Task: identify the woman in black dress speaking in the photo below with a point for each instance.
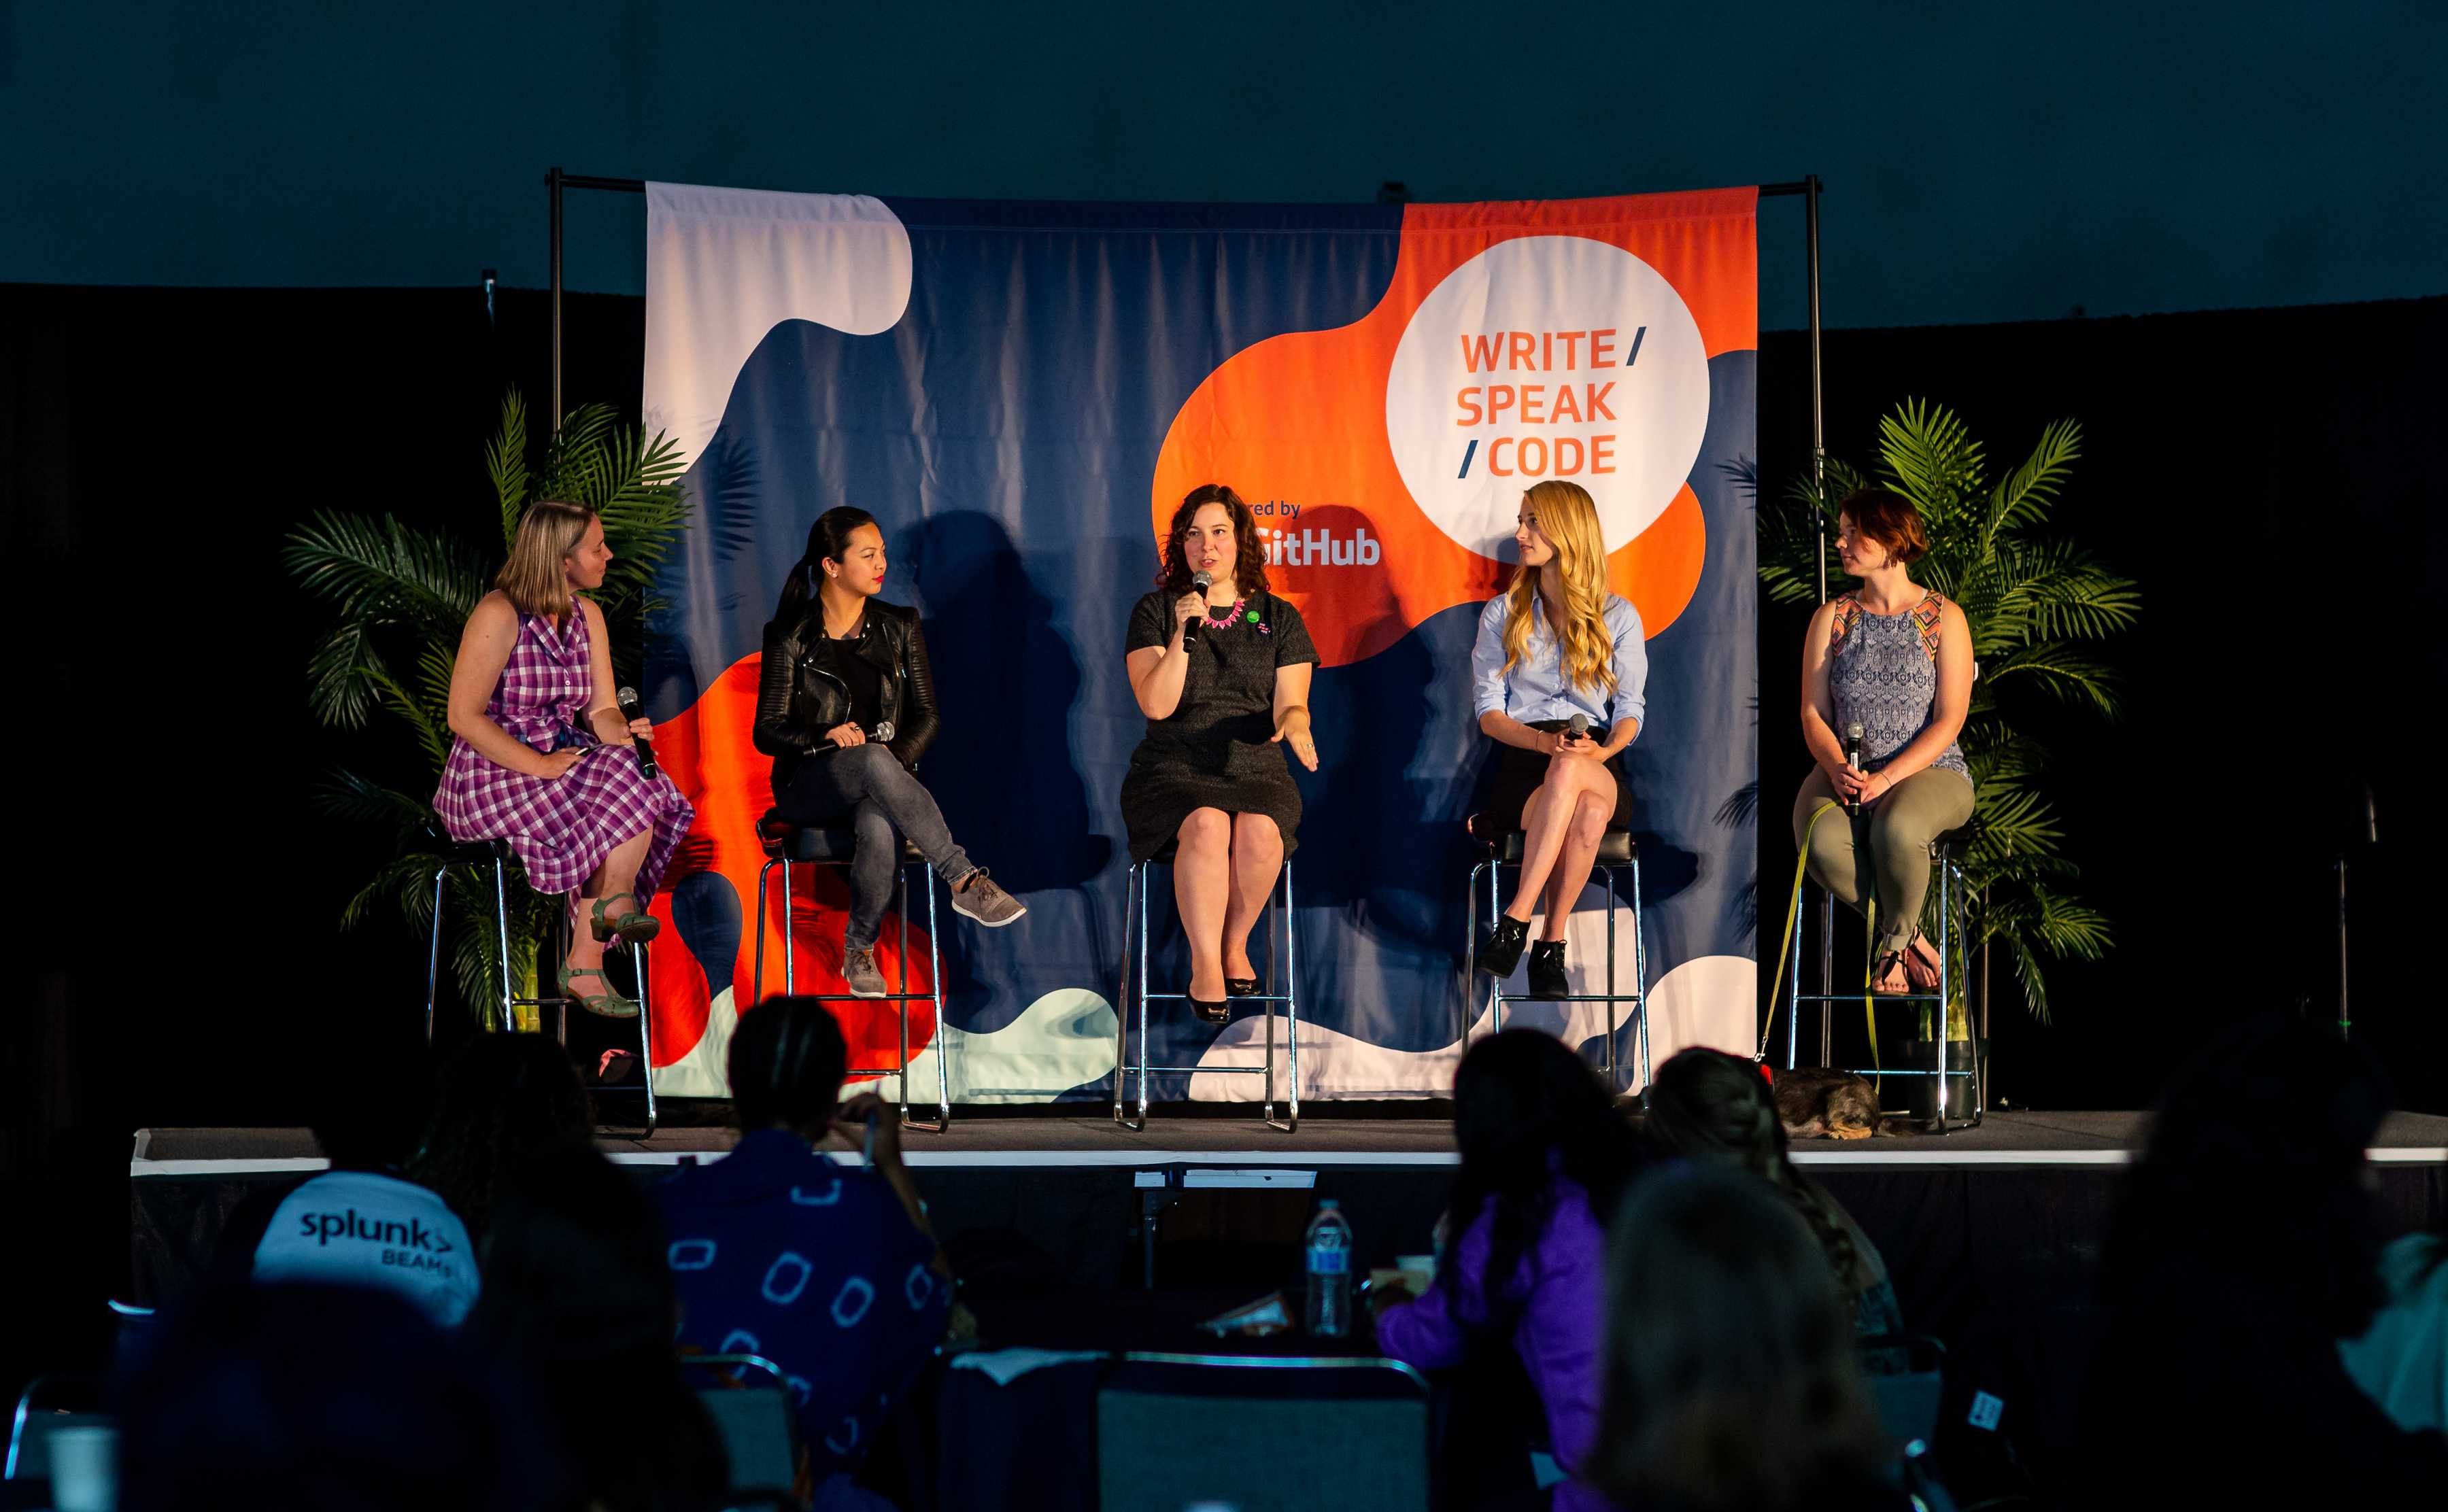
(1218, 701)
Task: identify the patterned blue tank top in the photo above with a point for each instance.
(1882, 672)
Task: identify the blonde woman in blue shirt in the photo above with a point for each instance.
(1555, 644)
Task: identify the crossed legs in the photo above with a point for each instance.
(1224, 870)
(1561, 827)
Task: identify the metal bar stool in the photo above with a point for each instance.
(496, 853)
(786, 845)
(1954, 925)
(1134, 918)
(1616, 851)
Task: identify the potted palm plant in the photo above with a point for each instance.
(2039, 606)
(400, 596)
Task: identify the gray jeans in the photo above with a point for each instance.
(867, 786)
(1883, 853)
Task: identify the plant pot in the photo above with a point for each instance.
(1920, 1093)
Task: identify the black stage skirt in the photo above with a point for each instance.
(1509, 780)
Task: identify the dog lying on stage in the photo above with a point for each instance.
(1820, 1103)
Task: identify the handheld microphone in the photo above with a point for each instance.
(1203, 582)
(1579, 727)
(882, 734)
(633, 709)
(1853, 760)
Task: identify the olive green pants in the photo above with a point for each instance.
(1885, 853)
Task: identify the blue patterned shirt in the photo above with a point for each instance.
(1535, 689)
(778, 1251)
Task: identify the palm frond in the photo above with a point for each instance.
(1926, 452)
(2062, 672)
(505, 461)
(337, 689)
(2023, 496)
(354, 799)
(383, 573)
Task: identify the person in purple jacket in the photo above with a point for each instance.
(1546, 1160)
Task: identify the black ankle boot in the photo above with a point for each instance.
(1547, 978)
(1502, 950)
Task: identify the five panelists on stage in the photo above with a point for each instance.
(537, 757)
(846, 706)
(1894, 660)
(1221, 667)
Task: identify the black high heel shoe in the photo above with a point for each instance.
(1240, 986)
(1212, 1012)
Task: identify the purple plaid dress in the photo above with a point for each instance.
(562, 829)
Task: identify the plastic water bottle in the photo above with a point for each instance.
(1328, 1248)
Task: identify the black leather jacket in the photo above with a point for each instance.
(797, 700)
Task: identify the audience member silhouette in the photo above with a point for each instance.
(1707, 1105)
(578, 1301)
(1545, 1160)
(2243, 1248)
(344, 1399)
(502, 1099)
(1731, 1380)
(829, 1271)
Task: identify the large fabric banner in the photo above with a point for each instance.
(1020, 394)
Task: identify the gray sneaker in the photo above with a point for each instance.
(860, 975)
(977, 897)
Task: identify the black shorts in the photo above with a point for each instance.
(1515, 774)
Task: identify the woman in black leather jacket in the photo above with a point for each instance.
(845, 706)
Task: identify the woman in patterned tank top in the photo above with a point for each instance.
(538, 758)
(1895, 659)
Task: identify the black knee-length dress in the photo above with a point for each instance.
(1212, 751)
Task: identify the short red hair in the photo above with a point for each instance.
(1890, 520)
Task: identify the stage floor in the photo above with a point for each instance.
(1231, 1133)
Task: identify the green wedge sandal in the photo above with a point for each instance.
(603, 1005)
(635, 927)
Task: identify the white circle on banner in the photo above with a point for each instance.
(1533, 329)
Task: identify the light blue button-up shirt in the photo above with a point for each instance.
(1535, 689)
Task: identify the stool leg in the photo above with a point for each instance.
(1291, 1000)
(502, 942)
(901, 934)
(1608, 872)
(434, 955)
(1122, 998)
(1794, 1006)
(1945, 979)
(1267, 1073)
(1827, 977)
(789, 936)
(1147, 906)
(762, 915)
(1496, 990)
(1640, 978)
(1469, 959)
(935, 991)
(645, 1031)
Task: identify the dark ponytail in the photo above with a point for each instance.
(829, 537)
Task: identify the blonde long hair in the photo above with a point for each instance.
(1568, 517)
(534, 577)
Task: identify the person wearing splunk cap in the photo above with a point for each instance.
(1220, 698)
(1553, 649)
(536, 761)
(1894, 658)
(846, 706)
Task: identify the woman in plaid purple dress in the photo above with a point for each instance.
(539, 761)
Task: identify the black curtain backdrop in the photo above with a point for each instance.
(2266, 474)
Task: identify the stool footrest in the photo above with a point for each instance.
(1202, 1070)
(1875, 997)
(1184, 997)
(1573, 997)
(1891, 1071)
(853, 997)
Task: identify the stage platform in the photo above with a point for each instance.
(1049, 1198)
